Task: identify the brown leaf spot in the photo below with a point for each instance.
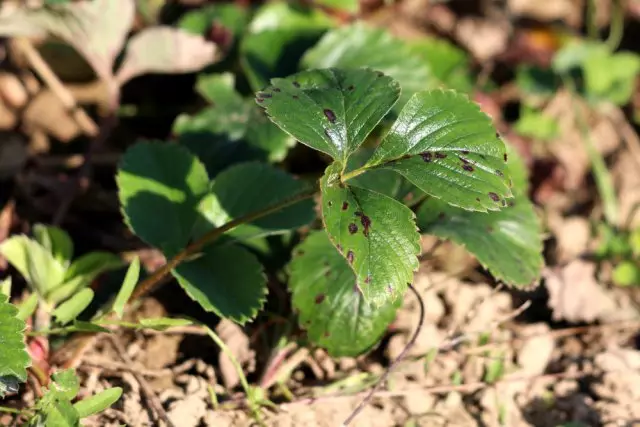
(351, 87)
(441, 216)
(276, 89)
(353, 229)
(320, 298)
(499, 173)
(465, 151)
(366, 223)
(339, 248)
(490, 229)
(345, 206)
(350, 256)
(296, 84)
(494, 197)
(295, 96)
(505, 157)
(367, 280)
(440, 155)
(426, 156)
(467, 167)
(330, 115)
(260, 100)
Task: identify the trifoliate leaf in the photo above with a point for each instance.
(330, 110)
(251, 187)
(160, 186)
(14, 359)
(331, 308)
(448, 148)
(508, 242)
(225, 279)
(375, 234)
(361, 45)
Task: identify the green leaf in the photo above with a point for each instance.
(98, 402)
(508, 242)
(331, 309)
(449, 64)
(5, 287)
(67, 383)
(611, 77)
(537, 81)
(162, 323)
(227, 280)
(445, 145)
(54, 408)
(128, 285)
(225, 17)
(277, 37)
(376, 234)
(56, 241)
(361, 45)
(251, 187)
(14, 359)
(82, 272)
(28, 307)
(160, 187)
(331, 110)
(535, 124)
(80, 326)
(71, 308)
(38, 267)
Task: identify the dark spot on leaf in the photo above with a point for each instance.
(339, 248)
(482, 156)
(330, 115)
(380, 73)
(320, 298)
(350, 256)
(350, 87)
(477, 199)
(504, 203)
(366, 223)
(276, 89)
(356, 288)
(497, 134)
(259, 99)
(441, 216)
(490, 229)
(367, 280)
(330, 203)
(494, 197)
(326, 334)
(426, 156)
(505, 157)
(465, 151)
(327, 273)
(340, 184)
(264, 95)
(467, 167)
(296, 84)
(357, 213)
(499, 173)
(511, 203)
(440, 155)
(295, 96)
(300, 252)
(353, 229)
(345, 206)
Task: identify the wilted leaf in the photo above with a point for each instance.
(160, 187)
(374, 233)
(261, 186)
(361, 45)
(444, 144)
(227, 280)
(330, 110)
(331, 309)
(70, 309)
(165, 50)
(14, 358)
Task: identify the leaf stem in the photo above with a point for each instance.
(354, 173)
(146, 285)
(617, 25)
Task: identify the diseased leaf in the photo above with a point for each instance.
(71, 308)
(128, 285)
(250, 187)
(331, 309)
(508, 242)
(38, 267)
(14, 359)
(98, 402)
(330, 110)
(361, 45)
(374, 233)
(166, 50)
(225, 279)
(449, 149)
(160, 187)
(56, 241)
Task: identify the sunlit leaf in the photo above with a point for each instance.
(128, 285)
(56, 241)
(70, 309)
(14, 358)
(98, 402)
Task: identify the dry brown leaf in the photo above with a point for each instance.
(46, 112)
(238, 343)
(484, 39)
(572, 235)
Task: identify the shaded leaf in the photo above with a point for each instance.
(444, 144)
(448, 64)
(128, 285)
(361, 45)
(376, 234)
(71, 308)
(160, 187)
(227, 280)
(33, 262)
(56, 241)
(14, 359)
(330, 110)
(331, 309)
(98, 402)
(229, 17)
(507, 242)
(251, 187)
(166, 50)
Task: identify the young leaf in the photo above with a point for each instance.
(129, 283)
(160, 187)
(362, 45)
(98, 402)
(38, 267)
(70, 309)
(330, 110)
(56, 241)
(448, 148)
(28, 307)
(250, 187)
(14, 358)
(166, 50)
(82, 272)
(331, 309)
(376, 234)
(507, 242)
(227, 280)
